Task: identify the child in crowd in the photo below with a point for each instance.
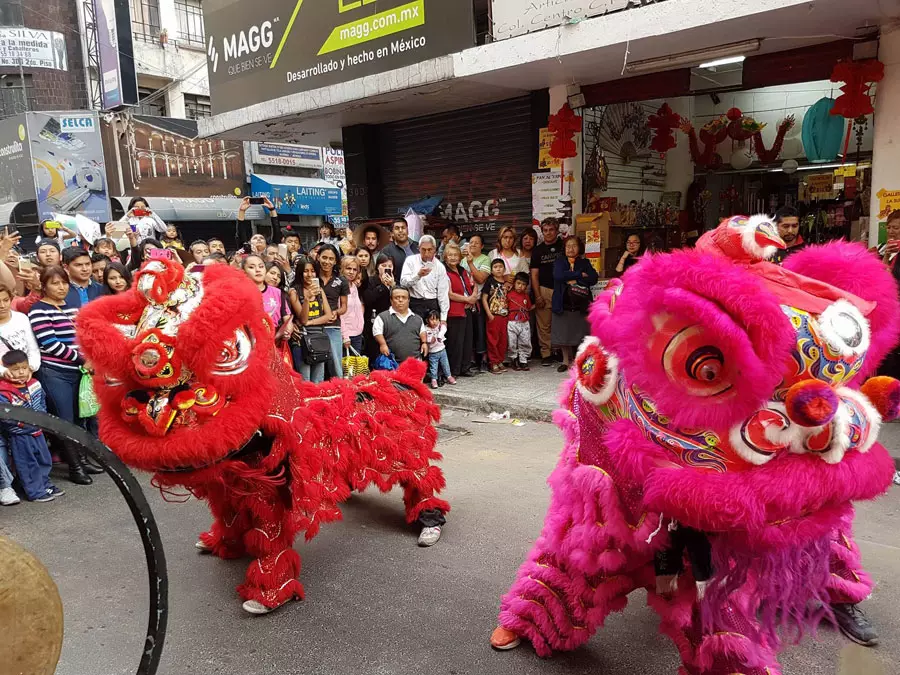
(172, 238)
(496, 308)
(27, 443)
(438, 362)
(353, 321)
(518, 329)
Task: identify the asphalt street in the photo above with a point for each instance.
(376, 604)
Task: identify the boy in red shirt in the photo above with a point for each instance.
(519, 327)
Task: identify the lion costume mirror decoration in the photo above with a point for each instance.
(718, 425)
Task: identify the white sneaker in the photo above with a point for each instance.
(8, 497)
(430, 535)
(897, 478)
(255, 607)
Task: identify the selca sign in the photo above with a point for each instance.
(77, 125)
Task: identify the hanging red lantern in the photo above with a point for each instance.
(858, 78)
(664, 123)
(564, 125)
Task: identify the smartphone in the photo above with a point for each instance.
(282, 251)
(161, 254)
(257, 200)
(315, 283)
(25, 265)
(140, 213)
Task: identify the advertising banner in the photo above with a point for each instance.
(16, 178)
(162, 157)
(298, 196)
(118, 82)
(518, 17)
(285, 154)
(262, 50)
(32, 48)
(545, 195)
(336, 174)
(67, 158)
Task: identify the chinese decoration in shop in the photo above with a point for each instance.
(664, 123)
(740, 129)
(564, 125)
(856, 101)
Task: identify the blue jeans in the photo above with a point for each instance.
(33, 463)
(337, 349)
(61, 387)
(6, 477)
(438, 364)
(356, 341)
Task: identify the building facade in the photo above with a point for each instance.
(45, 38)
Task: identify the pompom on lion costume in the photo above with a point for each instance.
(718, 425)
(191, 388)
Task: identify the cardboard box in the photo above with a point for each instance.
(594, 222)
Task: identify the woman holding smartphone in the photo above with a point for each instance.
(311, 308)
(337, 290)
(142, 221)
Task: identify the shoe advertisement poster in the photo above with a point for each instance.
(263, 50)
(68, 168)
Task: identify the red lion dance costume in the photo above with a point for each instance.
(192, 389)
(716, 435)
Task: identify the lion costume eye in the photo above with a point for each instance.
(688, 357)
(845, 329)
(235, 354)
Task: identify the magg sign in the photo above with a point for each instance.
(266, 49)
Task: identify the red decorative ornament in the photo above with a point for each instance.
(664, 123)
(712, 133)
(564, 125)
(769, 155)
(858, 76)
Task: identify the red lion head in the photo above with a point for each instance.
(184, 365)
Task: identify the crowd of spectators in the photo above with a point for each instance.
(373, 292)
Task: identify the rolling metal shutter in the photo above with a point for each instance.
(479, 159)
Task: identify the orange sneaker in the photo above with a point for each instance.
(503, 639)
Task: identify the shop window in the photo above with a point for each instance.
(145, 20)
(196, 106)
(11, 13)
(15, 96)
(190, 23)
(151, 102)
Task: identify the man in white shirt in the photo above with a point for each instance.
(426, 279)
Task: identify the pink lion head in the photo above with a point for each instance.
(745, 378)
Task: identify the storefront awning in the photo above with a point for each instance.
(298, 196)
(200, 209)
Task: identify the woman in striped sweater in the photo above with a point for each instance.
(52, 322)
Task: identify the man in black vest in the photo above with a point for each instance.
(402, 333)
(398, 331)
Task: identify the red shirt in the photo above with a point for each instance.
(519, 306)
(461, 283)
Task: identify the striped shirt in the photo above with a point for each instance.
(54, 330)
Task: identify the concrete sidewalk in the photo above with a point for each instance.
(533, 395)
(529, 395)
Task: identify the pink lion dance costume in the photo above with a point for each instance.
(716, 435)
(191, 388)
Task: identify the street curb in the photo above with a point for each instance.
(534, 413)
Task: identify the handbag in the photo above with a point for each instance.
(577, 298)
(88, 405)
(316, 347)
(354, 363)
